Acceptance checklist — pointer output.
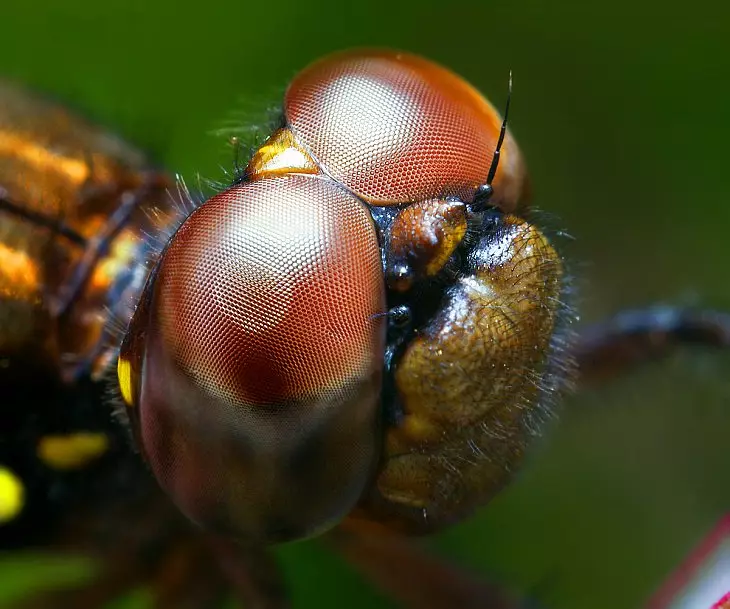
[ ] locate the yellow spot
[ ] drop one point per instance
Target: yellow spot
(281, 154)
(18, 274)
(72, 451)
(12, 495)
(36, 155)
(120, 258)
(415, 428)
(124, 374)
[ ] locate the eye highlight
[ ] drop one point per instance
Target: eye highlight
(262, 359)
(266, 294)
(396, 128)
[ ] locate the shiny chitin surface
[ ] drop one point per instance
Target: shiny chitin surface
(422, 239)
(472, 382)
(472, 363)
(259, 365)
(73, 203)
(396, 128)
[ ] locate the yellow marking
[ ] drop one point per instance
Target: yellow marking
(281, 154)
(415, 428)
(18, 273)
(120, 258)
(72, 451)
(454, 229)
(37, 155)
(124, 374)
(12, 495)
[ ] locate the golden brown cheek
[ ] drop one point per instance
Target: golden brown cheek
(397, 128)
(259, 391)
(422, 238)
(468, 384)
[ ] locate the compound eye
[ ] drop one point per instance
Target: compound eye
(396, 128)
(261, 359)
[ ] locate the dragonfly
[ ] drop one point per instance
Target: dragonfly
(358, 337)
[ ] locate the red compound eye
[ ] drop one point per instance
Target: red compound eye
(263, 353)
(396, 128)
(254, 367)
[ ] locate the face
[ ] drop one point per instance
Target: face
(349, 329)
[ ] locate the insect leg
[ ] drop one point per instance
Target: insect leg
(411, 576)
(607, 349)
(252, 573)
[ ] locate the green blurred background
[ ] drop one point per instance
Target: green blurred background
(622, 112)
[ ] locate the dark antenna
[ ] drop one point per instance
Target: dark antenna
(485, 191)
